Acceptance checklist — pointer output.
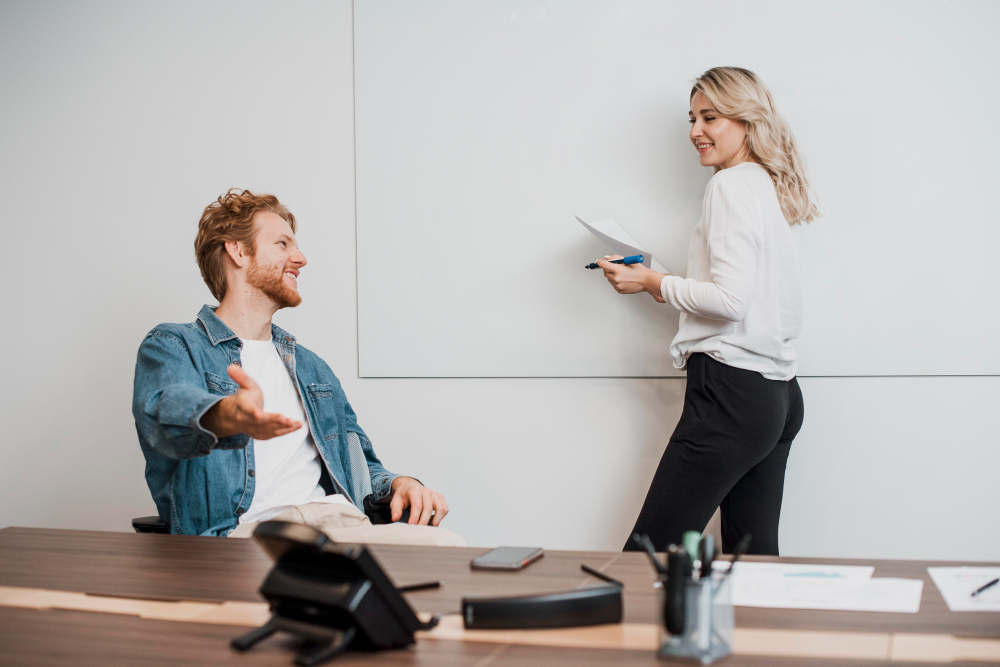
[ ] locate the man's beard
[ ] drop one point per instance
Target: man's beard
(271, 281)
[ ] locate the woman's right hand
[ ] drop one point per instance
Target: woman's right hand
(631, 278)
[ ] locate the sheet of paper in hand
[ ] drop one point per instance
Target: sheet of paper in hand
(619, 242)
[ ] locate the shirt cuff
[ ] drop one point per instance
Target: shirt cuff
(205, 439)
(382, 486)
(663, 286)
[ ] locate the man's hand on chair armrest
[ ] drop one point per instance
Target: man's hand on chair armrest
(426, 506)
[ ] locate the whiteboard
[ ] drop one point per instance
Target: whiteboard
(483, 128)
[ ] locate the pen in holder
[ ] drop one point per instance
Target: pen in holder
(704, 632)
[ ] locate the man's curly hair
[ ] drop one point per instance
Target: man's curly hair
(231, 218)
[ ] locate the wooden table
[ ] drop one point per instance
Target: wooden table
(171, 567)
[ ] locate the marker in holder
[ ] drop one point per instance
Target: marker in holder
(706, 631)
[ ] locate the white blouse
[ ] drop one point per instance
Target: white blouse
(741, 303)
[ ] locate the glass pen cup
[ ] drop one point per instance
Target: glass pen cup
(708, 622)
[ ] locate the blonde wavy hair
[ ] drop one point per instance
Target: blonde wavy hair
(739, 94)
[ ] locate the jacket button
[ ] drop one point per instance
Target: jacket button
(251, 473)
(239, 511)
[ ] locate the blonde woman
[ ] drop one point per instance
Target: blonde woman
(741, 308)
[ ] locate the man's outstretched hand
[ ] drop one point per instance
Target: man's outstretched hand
(426, 506)
(243, 412)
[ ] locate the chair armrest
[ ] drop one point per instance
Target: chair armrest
(379, 513)
(149, 524)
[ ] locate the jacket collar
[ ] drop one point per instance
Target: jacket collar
(280, 335)
(219, 332)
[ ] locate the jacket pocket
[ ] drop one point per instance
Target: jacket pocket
(220, 385)
(320, 390)
(325, 409)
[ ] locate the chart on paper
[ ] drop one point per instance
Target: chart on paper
(834, 587)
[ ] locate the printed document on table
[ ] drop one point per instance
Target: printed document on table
(889, 595)
(619, 242)
(957, 583)
(795, 570)
(806, 586)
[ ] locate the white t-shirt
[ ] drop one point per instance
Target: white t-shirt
(287, 468)
(741, 303)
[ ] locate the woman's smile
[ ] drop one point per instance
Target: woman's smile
(720, 141)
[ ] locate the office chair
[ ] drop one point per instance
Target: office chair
(149, 524)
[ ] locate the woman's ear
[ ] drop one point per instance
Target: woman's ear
(235, 250)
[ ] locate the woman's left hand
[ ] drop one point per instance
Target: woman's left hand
(631, 278)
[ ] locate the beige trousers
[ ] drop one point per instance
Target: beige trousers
(346, 523)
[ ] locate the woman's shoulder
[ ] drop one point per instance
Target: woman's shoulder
(738, 192)
(743, 180)
(745, 173)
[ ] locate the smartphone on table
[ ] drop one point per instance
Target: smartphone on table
(506, 558)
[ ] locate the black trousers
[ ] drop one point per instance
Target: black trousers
(729, 451)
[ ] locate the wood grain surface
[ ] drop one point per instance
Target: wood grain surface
(169, 567)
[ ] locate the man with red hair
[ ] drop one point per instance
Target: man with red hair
(240, 424)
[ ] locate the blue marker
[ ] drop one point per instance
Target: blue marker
(634, 259)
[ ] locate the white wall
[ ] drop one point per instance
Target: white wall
(513, 120)
(119, 124)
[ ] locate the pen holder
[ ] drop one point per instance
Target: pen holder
(708, 622)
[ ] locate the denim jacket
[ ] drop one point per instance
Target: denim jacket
(202, 484)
